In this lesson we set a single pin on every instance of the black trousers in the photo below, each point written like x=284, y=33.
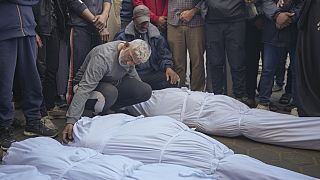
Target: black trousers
x=48, y=64
x=226, y=40
x=253, y=47
x=116, y=95
x=157, y=80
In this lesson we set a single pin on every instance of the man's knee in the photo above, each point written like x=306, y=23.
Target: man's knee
x=144, y=92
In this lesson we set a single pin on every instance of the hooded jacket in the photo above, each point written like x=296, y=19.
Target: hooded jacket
x=16, y=19
x=161, y=57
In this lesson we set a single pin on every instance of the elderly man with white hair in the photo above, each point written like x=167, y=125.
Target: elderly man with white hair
x=109, y=74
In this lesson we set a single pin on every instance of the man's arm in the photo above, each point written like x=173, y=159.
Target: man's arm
x=297, y=11
x=134, y=74
x=100, y=21
x=187, y=15
x=81, y=9
x=269, y=8
x=90, y=79
x=164, y=55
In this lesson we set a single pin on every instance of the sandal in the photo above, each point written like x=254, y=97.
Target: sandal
x=285, y=98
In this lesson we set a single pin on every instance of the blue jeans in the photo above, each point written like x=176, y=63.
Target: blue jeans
x=272, y=55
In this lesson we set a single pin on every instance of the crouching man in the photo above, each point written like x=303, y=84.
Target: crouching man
x=109, y=71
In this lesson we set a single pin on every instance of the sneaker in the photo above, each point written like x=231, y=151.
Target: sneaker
x=44, y=127
x=6, y=138
x=276, y=88
x=57, y=112
x=47, y=121
x=294, y=112
x=263, y=107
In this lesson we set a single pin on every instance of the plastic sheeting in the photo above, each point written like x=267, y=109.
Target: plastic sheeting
x=75, y=163
x=150, y=140
x=15, y=172
x=224, y=116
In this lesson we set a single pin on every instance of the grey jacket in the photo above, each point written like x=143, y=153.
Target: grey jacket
x=78, y=6
x=101, y=64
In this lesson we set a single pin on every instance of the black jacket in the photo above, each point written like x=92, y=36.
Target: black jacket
x=43, y=13
x=225, y=11
x=287, y=36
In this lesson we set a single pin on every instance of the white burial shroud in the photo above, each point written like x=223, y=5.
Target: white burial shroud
x=16, y=172
x=163, y=139
x=150, y=140
x=76, y=163
x=224, y=116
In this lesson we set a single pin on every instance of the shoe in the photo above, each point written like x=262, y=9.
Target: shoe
x=47, y=121
x=6, y=138
x=43, y=127
x=57, y=112
x=251, y=102
x=263, y=107
x=294, y=112
x=285, y=98
x=276, y=88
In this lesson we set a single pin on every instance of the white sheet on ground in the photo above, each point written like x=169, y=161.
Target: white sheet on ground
x=150, y=140
x=224, y=116
x=239, y=166
x=75, y=163
x=12, y=172
x=163, y=139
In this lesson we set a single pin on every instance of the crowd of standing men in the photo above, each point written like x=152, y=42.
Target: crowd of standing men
x=106, y=77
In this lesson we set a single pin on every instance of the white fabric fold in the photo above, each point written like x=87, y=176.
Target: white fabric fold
x=150, y=140
x=242, y=167
x=12, y=172
x=76, y=163
x=224, y=116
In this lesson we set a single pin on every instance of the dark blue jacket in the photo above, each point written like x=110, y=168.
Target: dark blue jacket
x=161, y=57
x=287, y=36
x=16, y=19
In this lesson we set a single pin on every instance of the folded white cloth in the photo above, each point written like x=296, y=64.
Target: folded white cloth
x=12, y=172
x=162, y=139
x=224, y=116
x=76, y=163
x=239, y=166
x=158, y=139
